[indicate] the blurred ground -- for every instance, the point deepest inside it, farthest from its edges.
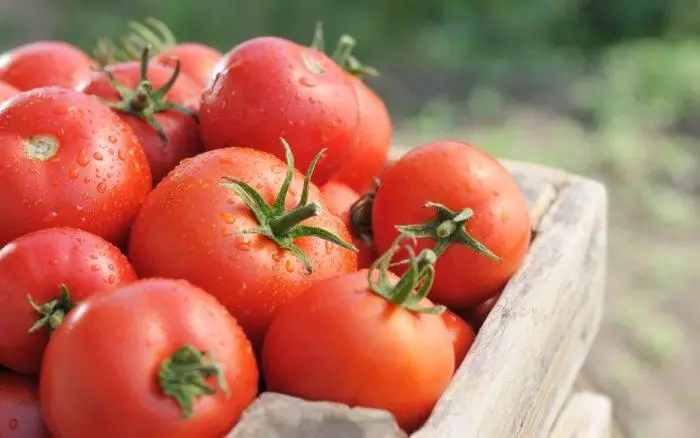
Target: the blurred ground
(605, 89)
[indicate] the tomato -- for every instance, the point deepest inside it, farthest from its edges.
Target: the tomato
(339, 199)
(43, 64)
(67, 160)
(350, 341)
(197, 60)
(159, 112)
(477, 315)
(269, 88)
(370, 155)
(490, 244)
(131, 362)
(40, 265)
(20, 413)
(190, 227)
(461, 333)
(7, 91)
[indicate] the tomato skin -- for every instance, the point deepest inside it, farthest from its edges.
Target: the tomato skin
(339, 199)
(477, 315)
(375, 131)
(266, 89)
(180, 129)
(95, 383)
(20, 413)
(197, 61)
(186, 230)
(96, 180)
(7, 91)
(317, 349)
(459, 176)
(44, 64)
(461, 334)
(36, 264)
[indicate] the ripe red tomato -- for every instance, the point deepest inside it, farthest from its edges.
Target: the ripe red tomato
(342, 342)
(171, 134)
(67, 160)
(370, 155)
(461, 333)
(131, 362)
(20, 413)
(339, 199)
(7, 91)
(190, 227)
(269, 88)
(197, 61)
(477, 315)
(41, 265)
(458, 176)
(43, 64)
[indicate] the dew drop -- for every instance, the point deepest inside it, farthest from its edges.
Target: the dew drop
(83, 159)
(73, 173)
(13, 424)
(50, 217)
(243, 245)
(98, 156)
(121, 154)
(277, 257)
(112, 139)
(228, 218)
(289, 266)
(111, 279)
(94, 267)
(307, 82)
(101, 187)
(329, 246)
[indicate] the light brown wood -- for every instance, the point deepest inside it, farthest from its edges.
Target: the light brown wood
(522, 366)
(586, 415)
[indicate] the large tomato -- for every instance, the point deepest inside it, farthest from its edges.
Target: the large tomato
(346, 340)
(374, 139)
(155, 358)
(42, 266)
(340, 198)
(197, 60)
(190, 227)
(7, 91)
(267, 88)
(482, 246)
(20, 413)
(67, 160)
(43, 64)
(158, 107)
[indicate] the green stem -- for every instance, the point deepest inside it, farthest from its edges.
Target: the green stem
(52, 312)
(343, 50)
(284, 224)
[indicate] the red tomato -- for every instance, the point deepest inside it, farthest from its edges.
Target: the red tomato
(7, 91)
(180, 130)
(477, 315)
(339, 199)
(270, 88)
(461, 333)
(458, 176)
(38, 265)
(67, 160)
(197, 61)
(190, 228)
(116, 365)
(370, 155)
(342, 342)
(43, 64)
(20, 413)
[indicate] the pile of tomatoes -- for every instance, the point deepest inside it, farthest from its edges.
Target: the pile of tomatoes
(182, 229)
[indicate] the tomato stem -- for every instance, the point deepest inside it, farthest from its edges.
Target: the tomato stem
(52, 312)
(278, 224)
(413, 285)
(158, 36)
(181, 376)
(446, 228)
(343, 53)
(143, 101)
(361, 216)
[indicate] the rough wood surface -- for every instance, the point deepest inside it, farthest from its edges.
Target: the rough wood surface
(521, 369)
(586, 415)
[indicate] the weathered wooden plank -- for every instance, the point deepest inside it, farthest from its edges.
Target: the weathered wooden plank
(586, 415)
(533, 344)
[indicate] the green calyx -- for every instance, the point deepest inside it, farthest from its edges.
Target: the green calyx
(144, 102)
(182, 377)
(52, 312)
(158, 36)
(342, 54)
(446, 228)
(361, 216)
(413, 285)
(278, 224)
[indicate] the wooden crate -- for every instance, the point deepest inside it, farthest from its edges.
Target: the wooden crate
(518, 377)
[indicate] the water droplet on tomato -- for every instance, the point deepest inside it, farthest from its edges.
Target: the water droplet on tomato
(111, 279)
(73, 173)
(277, 257)
(85, 196)
(33, 170)
(228, 218)
(50, 217)
(289, 266)
(101, 187)
(94, 267)
(121, 154)
(93, 256)
(98, 156)
(13, 424)
(243, 245)
(112, 139)
(307, 81)
(83, 158)
(329, 246)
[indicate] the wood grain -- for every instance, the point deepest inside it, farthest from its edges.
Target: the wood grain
(586, 415)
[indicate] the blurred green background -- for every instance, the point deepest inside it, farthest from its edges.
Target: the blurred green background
(607, 89)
